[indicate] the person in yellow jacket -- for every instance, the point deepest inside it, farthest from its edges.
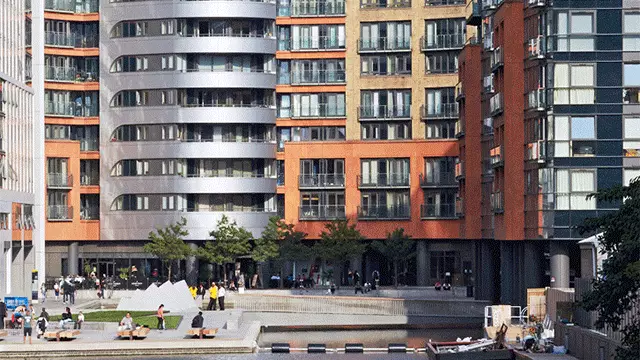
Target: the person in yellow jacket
(193, 291)
(213, 297)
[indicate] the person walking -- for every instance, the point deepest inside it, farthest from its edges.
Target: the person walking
(27, 329)
(56, 291)
(213, 297)
(72, 293)
(43, 291)
(80, 321)
(160, 315)
(3, 313)
(221, 293)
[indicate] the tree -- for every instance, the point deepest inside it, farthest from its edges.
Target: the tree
(398, 247)
(617, 288)
(168, 243)
(340, 242)
(289, 242)
(267, 247)
(229, 242)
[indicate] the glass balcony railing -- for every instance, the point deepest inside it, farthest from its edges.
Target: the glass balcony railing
(435, 211)
(320, 111)
(89, 145)
(74, 6)
(385, 112)
(384, 212)
(90, 213)
(383, 180)
(537, 100)
(496, 104)
(318, 77)
(59, 212)
(317, 8)
(69, 108)
(443, 42)
(439, 179)
(321, 181)
(59, 180)
(376, 4)
(384, 44)
(440, 111)
(322, 212)
(63, 39)
(60, 73)
(313, 44)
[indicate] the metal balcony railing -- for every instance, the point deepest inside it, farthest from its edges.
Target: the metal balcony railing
(459, 128)
(537, 47)
(383, 180)
(318, 77)
(496, 104)
(90, 213)
(384, 44)
(537, 100)
(69, 108)
(63, 39)
(536, 3)
(312, 44)
(320, 111)
(442, 210)
(322, 212)
(384, 212)
(384, 112)
(442, 42)
(497, 58)
(497, 202)
(321, 181)
(438, 179)
(59, 212)
(375, 4)
(58, 180)
(496, 155)
(440, 111)
(74, 6)
(317, 8)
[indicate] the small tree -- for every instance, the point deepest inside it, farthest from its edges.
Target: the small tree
(229, 242)
(617, 290)
(266, 247)
(168, 244)
(398, 248)
(340, 242)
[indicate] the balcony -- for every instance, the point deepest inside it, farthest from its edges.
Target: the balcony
(317, 8)
(384, 112)
(318, 77)
(321, 181)
(63, 39)
(438, 211)
(536, 151)
(497, 59)
(89, 179)
(320, 43)
(440, 111)
(322, 212)
(72, 6)
(496, 155)
(537, 100)
(497, 202)
(442, 42)
(69, 108)
(490, 4)
(535, 3)
(459, 91)
(384, 212)
(459, 207)
(89, 145)
(59, 213)
(459, 128)
(59, 181)
(487, 84)
(487, 41)
(496, 104)
(70, 74)
(443, 2)
(376, 181)
(392, 4)
(536, 48)
(90, 213)
(474, 13)
(384, 45)
(459, 170)
(438, 180)
(487, 126)
(323, 111)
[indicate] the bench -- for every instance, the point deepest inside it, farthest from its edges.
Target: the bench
(3, 333)
(61, 334)
(140, 333)
(202, 332)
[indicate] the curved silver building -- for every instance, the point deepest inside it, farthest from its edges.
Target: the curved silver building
(187, 115)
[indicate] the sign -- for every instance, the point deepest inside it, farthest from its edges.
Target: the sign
(13, 302)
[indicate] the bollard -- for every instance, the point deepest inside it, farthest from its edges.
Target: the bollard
(316, 348)
(353, 348)
(397, 348)
(280, 348)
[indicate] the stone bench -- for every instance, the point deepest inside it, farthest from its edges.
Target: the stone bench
(61, 334)
(202, 332)
(140, 333)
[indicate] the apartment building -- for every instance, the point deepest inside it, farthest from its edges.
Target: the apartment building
(19, 236)
(556, 119)
(366, 125)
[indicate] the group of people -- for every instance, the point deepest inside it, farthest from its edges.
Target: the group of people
(24, 318)
(66, 287)
(217, 293)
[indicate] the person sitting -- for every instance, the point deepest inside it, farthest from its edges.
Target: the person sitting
(198, 321)
(67, 318)
(80, 321)
(126, 323)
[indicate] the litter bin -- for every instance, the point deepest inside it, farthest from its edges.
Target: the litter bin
(470, 291)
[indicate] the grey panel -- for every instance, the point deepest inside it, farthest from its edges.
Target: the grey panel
(186, 9)
(204, 79)
(199, 185)
(179, 45)
(173, 150)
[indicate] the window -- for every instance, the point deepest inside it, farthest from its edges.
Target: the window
(574, 136)
(315, 37)
(631, 29)
(142, 167)
(445, 62)
(167, 62)
(166, 27)
(444, 34)
(141, 132)
(168, 202)
(142, 202)
(168, 167)
(440, 129)
(317, 105)
(439, 171)
(385, 64)
(441, 103)
(385, 131)
(167, 132)
(631, 142)
(385, 36)
(628, 175)
(632, 75)
(573, 187)
(383, 104)
(575, 31)
(574, 84)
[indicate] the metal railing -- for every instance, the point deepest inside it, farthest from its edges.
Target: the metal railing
(319, 43)
(233, 139)
(383, 180)
(496, 156)
(439, 179)
(497, 202)
(89, 145)
(384, 112)
(384, 44)
(64, 39)
(497, 58)
(382, 212)
(440, 111)
(443, 2)
(537, 99)
(318, 77)
(537, 47)
(69, 108)
(443, 42)
(60, 212)
(322, 212)
(375, 4)
(442, 210)
(317, 8)
(58, 180)
(321, 111)
(213, 173)
(89, 179)
(74, 6)
(227, 208)
(90, 213)
(321, 181)
(496, 104)
(63, 73)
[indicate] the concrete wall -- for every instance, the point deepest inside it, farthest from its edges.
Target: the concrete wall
(585, 344)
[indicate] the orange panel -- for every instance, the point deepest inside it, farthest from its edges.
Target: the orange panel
(72, 86)
(50, 15)
(90, 155)
(94, 120)
(48, 50)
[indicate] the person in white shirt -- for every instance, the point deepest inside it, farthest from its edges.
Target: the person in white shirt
(221, 293)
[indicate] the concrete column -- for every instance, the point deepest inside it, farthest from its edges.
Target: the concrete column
(587, 261)
(422, 271)
(487, 270)
(72, 262)
(356, 265)
(192, 266)
(559, 252)
(507, 273)
(532, 268)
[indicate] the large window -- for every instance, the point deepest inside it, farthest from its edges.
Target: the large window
(317, 37)
(384, 104)
(631, 142)
(385, 130)
(440, 130)
(574, 84)
(574, 136)
(441, 103)
(631, 31)
(385, 36)
(312, 105)
(575, 31)
(572, 188)
(444, 34)
(444, 62)
(631, 82)
(386, 64)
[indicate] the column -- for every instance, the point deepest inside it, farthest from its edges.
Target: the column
(422, 271)
(533, 270)
(72, 260)
(559, 252)
(356, 265)
(507, 273)
(192, 266)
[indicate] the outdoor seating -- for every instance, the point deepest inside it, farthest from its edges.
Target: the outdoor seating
(61, 334)
(202, 332)
(140, 333)
(3, 333)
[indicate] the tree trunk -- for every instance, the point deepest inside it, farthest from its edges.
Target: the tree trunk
(395, 274)
(259, 266)
(170, 266)
(337, 273)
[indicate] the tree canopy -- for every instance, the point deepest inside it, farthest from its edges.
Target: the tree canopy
(340, 241)
(168, 243)
(266, 247)
(397, 247)
(617, 288)
(229, 242)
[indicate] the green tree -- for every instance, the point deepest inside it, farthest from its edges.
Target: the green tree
(266, 247)
(339, 242)
(617, 288)
(398, 248)
(288, 241)
(229, 242)
(168, 244)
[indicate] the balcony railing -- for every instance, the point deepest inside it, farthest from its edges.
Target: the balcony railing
(459, 207)
(440, 111)
(536, 151)
(490, 4)
(89, 145)
(459, 128)
(89, 179)
(375, 4)
(321, 181)
(459, 91)
(459, 170)
(53, 38)
(321, 111)
(487, 83)
(90, 213)
(496, 104)
(536, 47)
(60, 73)
(384, 44)
(384, 212)
(497, 58)
(205, 207)
(318, 77)
(385, 112)
(322, 212)
(443, 2)
(537, 100)
(443, 42)
(441, 179)
(59, 213)
(74, 6)
(59, 181)
(497, 202)
(315, 44)
(69, 108)
(383, 180)
(487, 41)
(497, 158)
(536, 3)
(317, 8)
(438, 211)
